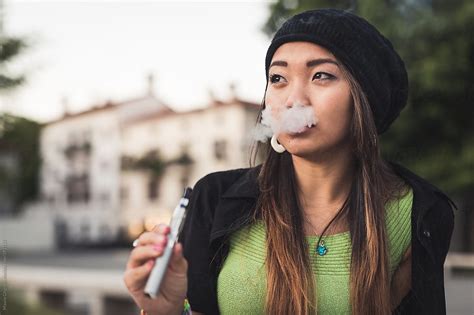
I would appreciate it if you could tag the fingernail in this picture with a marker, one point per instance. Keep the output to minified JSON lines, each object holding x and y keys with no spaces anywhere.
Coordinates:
{"x":158,"y":247}
{"x":150,"y":263}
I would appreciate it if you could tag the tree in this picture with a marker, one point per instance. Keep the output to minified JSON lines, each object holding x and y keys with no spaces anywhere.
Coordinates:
{"x":19,"y":137}
{"x":19,"y":140}
{"x":10,"y":47}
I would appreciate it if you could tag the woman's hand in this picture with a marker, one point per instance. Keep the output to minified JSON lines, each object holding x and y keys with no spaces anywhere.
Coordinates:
{"x":140,"y":263}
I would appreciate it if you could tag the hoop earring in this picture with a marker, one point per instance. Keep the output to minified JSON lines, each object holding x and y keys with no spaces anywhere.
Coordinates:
{"x":277,"y":146}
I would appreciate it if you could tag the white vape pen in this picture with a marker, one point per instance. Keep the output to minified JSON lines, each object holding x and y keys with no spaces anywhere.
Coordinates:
{"x":161,"y":263}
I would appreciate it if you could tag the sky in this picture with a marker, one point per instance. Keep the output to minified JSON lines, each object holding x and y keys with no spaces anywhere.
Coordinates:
{"x":84,"y":53}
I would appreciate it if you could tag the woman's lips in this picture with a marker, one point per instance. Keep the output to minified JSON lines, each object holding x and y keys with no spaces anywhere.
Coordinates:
{"x":302,"y":130}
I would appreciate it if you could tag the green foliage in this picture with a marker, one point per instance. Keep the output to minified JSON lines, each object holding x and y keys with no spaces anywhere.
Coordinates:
{"x":9,"y":48}
{"x":19,"y":137}
{"x":434,"y":134}
{"x":153,"y":162}
{"x":184,"y":159}
{"x":282,"y":9}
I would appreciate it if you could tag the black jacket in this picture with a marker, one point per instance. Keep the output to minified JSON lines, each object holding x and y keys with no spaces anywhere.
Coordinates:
{"x":222,"y":202}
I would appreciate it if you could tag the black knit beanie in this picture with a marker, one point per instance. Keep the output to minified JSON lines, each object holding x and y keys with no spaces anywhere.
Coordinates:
{"x":359,"y":46}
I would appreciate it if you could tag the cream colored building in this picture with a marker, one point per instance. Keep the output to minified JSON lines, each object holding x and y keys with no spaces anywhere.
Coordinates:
{"x":94,"y":184}
{"x":81,"y":169}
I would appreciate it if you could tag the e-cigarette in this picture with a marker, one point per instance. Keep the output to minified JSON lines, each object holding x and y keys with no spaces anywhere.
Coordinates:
{"x":161,"y":263}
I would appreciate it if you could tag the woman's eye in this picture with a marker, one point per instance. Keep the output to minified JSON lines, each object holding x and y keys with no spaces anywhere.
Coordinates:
{"x":323,"y":76}
{"x":274,"y":78}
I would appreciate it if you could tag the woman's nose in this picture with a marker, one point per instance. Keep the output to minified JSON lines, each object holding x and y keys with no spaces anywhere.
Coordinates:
{"x":298,"y":94}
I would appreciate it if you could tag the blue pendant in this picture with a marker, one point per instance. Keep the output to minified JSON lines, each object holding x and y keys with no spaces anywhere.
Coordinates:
{"x":322,"y":249}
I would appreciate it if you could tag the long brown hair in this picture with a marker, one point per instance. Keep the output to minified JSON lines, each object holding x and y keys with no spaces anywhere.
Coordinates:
{"x":290,"y":280}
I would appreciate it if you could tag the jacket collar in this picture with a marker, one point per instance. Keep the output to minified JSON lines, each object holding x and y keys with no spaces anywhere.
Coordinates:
{"x":425,"y":193}
{"x":245,"y":186}
{"x":235,"y":206}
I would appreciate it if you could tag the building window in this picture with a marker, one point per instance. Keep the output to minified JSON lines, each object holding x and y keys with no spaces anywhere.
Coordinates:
{"x":184,"y":180}
{"x":220,"y":150}
{"x":153,"y":187}
{"x":77,"y":187}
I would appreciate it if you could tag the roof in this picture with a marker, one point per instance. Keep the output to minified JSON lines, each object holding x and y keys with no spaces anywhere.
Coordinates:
{"x":215,"y":103}
{"x":108,"y":105}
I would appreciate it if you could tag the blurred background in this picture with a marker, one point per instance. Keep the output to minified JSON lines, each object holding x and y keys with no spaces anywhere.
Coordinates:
{"x":108,"y":109}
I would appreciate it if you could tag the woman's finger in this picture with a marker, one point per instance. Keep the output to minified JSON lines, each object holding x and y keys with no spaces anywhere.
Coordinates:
{"x":161,"y":228}
{"x":178,"y":264}
{"x":135,"y":278}
{"x":149,"y":238}
{"x":140,"y":254}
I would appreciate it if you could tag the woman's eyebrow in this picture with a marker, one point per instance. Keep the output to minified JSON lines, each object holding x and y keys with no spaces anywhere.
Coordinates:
{"x":309,"y":64}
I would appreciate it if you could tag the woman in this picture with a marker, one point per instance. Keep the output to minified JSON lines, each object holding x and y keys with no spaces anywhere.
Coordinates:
{"x":324,"y":225}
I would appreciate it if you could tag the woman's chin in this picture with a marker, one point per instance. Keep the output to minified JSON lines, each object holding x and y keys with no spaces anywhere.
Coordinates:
{"x":302,"y":151}
{"x":309,"y":150}
{"x":306,"y":147}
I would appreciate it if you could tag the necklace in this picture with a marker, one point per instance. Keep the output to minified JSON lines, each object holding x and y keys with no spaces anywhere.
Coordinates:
{"x":321,"y":247}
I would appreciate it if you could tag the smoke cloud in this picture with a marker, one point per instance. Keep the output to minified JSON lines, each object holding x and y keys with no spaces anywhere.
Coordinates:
{"x":284,"y":120}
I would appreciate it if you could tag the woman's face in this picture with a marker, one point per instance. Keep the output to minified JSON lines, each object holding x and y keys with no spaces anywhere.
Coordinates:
{"x":308,"y":73}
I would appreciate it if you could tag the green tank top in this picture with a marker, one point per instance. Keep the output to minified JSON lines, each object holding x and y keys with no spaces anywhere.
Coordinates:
{"x":241,"y":283}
